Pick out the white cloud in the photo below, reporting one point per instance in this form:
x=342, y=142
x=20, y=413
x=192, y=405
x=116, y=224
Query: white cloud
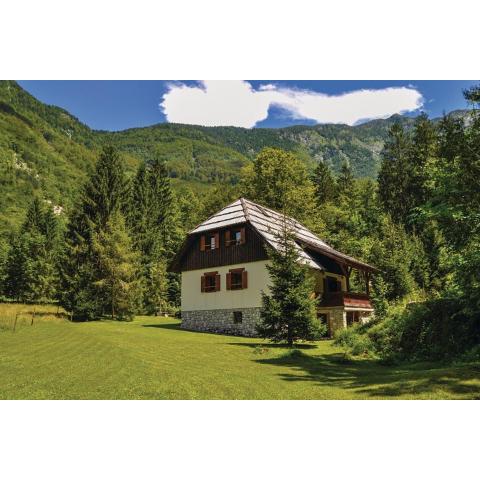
x=236, y=103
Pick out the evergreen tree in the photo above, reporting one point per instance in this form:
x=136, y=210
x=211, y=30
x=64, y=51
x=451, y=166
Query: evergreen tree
x=31, y=263
x=116, y=283
x=393, y=177
x=288, y=310
x=102, y=198
x=153, y=221
x=345, y=179
x=324, y=182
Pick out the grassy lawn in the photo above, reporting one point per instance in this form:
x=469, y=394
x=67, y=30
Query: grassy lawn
x=153, y=358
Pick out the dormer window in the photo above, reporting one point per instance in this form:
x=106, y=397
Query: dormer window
x=210, y=241
x=235, y=236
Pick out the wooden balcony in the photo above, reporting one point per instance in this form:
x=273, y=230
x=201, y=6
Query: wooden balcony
x=346, y=299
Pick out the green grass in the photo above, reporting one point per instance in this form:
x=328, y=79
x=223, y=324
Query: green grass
x=153, y=358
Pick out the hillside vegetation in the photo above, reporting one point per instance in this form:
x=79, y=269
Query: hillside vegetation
x=45, y=150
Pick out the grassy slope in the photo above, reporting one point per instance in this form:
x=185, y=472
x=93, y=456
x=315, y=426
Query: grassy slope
x=152, y=358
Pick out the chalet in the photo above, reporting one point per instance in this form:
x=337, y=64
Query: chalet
x=223, y=272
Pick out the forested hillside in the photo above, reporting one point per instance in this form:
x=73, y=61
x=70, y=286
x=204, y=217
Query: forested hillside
x=106, y=253
x=46, y=151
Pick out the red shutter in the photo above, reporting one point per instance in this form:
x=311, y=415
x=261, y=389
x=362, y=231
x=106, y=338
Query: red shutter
x=202, y=284
x=217, y=283
x=242, y=235
x=202, y=243
x=229, y=281
x=244, y=279
x=217, y=240
x=227, y=238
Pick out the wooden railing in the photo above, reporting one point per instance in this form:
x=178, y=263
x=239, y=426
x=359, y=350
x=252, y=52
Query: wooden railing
x=345, y=299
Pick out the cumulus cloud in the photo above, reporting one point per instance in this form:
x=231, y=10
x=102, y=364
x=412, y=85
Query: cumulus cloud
x=237, y=103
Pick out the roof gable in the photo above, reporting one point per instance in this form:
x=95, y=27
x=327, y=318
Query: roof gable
x=269, y=223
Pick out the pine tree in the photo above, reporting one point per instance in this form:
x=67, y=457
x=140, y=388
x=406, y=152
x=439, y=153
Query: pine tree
x=345, y=179
x=102, y=198
x=324, y=182
x=31, y=263
x=393, y=177
x=116, y=283
x=288, y=310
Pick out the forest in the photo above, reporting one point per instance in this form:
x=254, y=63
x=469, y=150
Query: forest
x=106, y=255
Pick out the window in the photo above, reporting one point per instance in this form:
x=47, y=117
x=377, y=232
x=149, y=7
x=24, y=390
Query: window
x=237, y=317
x=210, y=241
x=235, y=236
x=332, y=285
x=237, y=279
x=210, y=282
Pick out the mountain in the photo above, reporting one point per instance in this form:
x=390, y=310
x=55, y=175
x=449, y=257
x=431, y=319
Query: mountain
x=45, y=150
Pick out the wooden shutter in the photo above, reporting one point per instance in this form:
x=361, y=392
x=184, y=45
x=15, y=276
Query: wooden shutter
x=217, y=283
x=202, y=284
x=242, y=235
x=227, y=238
x=229, y=281
x=217, y=240
x=202, y=243
x=244, y=279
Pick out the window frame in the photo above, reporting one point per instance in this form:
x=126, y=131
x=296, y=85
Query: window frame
x=230, y=240
x=210, y=288
x=244, y=279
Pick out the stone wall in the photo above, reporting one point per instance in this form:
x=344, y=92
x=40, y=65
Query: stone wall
x=222, y=321
x=338, y=320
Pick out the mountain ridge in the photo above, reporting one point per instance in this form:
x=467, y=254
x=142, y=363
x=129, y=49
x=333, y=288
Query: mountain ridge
x=47, y=151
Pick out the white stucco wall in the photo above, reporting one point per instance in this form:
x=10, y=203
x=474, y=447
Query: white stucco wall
x=194, y=299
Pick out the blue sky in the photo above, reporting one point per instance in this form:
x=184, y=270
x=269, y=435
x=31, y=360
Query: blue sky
x=117, y=105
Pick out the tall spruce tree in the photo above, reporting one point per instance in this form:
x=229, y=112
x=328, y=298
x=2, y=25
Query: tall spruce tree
x=325, y=184
x=116, y=283
x=345, y=179
x=393, y=177
x=31, y=263
x=103, y=196
x=153, y=222
x=288, y=310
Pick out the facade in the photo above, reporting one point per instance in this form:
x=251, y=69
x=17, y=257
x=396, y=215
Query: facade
x=223, y=265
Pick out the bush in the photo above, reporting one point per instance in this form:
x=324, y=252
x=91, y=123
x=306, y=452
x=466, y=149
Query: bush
x=432, y=330
x=353, y=341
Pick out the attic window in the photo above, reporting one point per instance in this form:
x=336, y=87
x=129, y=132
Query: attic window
x=235, y=236
x=210, y=241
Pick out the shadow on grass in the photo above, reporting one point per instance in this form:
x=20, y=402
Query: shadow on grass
x=166, y=326
x=272, y=345
x=369, y=378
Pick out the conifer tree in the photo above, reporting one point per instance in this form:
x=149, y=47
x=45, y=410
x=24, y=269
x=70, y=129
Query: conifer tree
x=324, y=183
x=103, y=196
x=345, y=179
x=288, y=310
x=116, y=281
x=31, y=263
x=393, y=177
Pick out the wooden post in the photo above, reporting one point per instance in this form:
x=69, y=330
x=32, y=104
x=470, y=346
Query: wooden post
x=15, y=323
x=33, y=316
x=367, y=282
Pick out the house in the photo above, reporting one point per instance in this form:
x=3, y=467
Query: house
x=223, y=272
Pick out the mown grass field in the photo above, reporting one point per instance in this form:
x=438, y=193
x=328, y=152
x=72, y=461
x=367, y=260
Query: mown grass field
x=152, y=358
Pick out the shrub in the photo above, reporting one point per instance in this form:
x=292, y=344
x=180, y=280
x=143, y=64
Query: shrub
x=430, y=330
x=353, y=341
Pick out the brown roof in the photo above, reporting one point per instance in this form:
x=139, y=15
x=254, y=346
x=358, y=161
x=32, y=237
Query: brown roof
x=269, y=223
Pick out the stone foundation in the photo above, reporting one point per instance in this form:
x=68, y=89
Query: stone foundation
x=222, y=321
